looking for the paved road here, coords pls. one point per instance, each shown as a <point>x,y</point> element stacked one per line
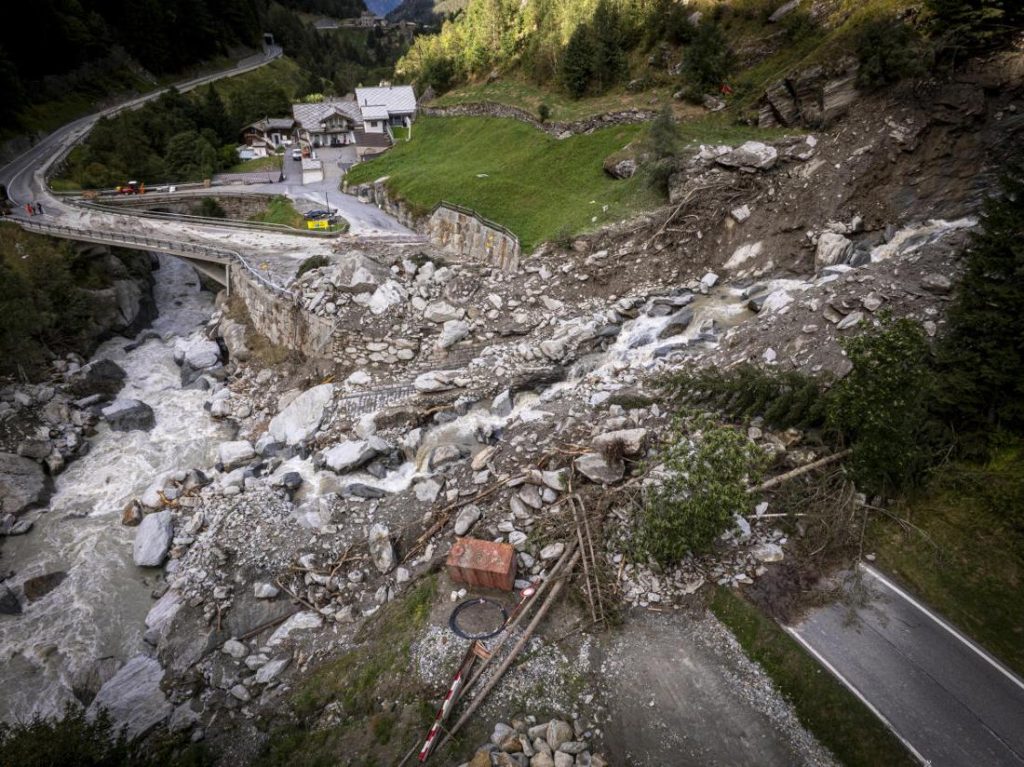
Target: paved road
<point>951,703</point>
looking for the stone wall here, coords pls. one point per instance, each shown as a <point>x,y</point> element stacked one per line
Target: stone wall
<point>462,233</point>
<point>279,317</point>
<point>559,130</point>
<point>237,206</point>
<point>459,231</point>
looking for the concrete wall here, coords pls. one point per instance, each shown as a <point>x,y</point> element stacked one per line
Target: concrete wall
<point>463,234</point>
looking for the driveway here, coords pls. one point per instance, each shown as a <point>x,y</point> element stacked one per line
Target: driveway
<point>950,702</point>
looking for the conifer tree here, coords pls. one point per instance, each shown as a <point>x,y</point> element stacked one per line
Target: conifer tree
<point>577,62</point>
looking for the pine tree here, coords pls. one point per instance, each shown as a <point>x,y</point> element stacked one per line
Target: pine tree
<point>577,62</point>
<point>708,60</point>
<point>609,63</point>
<point>970,25</point>
<point>982,356</point>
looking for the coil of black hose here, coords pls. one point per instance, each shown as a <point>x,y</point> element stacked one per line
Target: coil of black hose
<point>453,619</point>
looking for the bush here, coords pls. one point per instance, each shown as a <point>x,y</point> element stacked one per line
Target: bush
<point>69,740</point>
<point>708,60</point>
<point>888,51</point>
<point>543,112</point>
<point>706,485</point>
<point>210,208</point>
<point>967,26</point>
<point>311,263</point>
<point>883,406</point>
<point>799,26</point>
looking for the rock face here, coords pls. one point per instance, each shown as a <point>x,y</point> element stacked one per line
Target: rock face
<point>22,483</point>
<point>129,415</point>
<point>153,539</point>
<point>133,697</point>
<point>300,420</point>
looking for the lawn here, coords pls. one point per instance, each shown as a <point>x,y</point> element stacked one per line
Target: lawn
<point>281,211</point>
<point>507,171</point>
<point>824,706</point>
<point>966,558</point>
<point>527,96</point>
<point>255,165</point>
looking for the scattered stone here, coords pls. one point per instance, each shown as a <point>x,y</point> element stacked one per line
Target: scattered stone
<point>235,454</point>
<point>750,156</point>
<point>468,517</point>
<point>597,469</point>
<point>936,283</point>
<point>381,551</point>
<point>833,248</point>
<point>348,455</point>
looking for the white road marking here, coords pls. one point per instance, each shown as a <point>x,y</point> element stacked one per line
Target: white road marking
<point>941,622</point>
<point>849,685</point>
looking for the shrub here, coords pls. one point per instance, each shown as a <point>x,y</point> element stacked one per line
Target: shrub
<point>799,26</point>
<point>69,740</point>
<point>966,26</point>
<point>708,60</point>
<point>210,208</point>
<point>706,485</point>
<point>888,51</point>
<point>883,405</point>
<point>311,263</point>
<point>543,112</point>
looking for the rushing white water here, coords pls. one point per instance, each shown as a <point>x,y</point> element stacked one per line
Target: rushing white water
<point>98,611</point>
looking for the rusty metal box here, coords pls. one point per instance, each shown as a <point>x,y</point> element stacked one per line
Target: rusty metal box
<point>482,564</point>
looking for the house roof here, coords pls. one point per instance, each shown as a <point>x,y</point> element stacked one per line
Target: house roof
<point>273,123</point>
<point>397,99</point>
<point>375,113</point>
<point>311,115</point>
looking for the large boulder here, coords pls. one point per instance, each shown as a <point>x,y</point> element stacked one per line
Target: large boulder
<point>381,551</point>
<point>300,419</point>
<point>129,415</point>
<point>235,454</point>
<point>435,381</point>
<point>103,377</point>
<point>441,312</point>
<point>41,585</point>
<point>750,156</point>
<point>452,332</point>
<point>153,539</point>
<point>677,323</point>
<point>234,336</point>
<point>22,483</point>
<point>348,455</point>
<point>133,698</point>
<point>599,469</point>
<point>387,295</point>
<point>832,249</point>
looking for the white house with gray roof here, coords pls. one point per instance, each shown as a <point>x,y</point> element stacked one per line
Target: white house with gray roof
<point>364,120</point>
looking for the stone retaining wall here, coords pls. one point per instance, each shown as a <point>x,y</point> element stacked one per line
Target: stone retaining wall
<point>559,130</point>
<point>237,206</point>
<point>281,319</point>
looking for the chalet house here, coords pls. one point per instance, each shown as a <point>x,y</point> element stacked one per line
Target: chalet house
<point>264,137</point>
<point>365,121</point>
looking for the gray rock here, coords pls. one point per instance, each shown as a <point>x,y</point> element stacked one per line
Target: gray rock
<point>303,621</point>
<point>348,455</point>
<point>452,332</point>
<point>9,604</point>
<point>677,323</point>
<point>129,415</point>
<point>768,552</point>
<point>300,420</point>
<point>784,10</point>
<point>500,733</point>
<point>235,649</point>
<point>272,670</point>
<point>552,551</point>
<point>133,698</point>
<point>752,155</point>
<point>564,759</point>
<point>850,320</point>
<point>202,354</point>
<point>936,283</point>
<point>153,539</point>
<point>445,454</point>
<point>235,454</point>
<point>468,517</point>
<point>362,490</point>
<point>238,692</point>
<point>833,248</point>
<point>597,469</point>
<point>427,490</point>
<point>435,381</point>
<point>381,551</point>
<point>37,449</point>
<point>502,404</point>
<point>632,441</point>
<point>103,377</point>
<point>441,312</point>
<point>22,483</point>
<point>265,591</point>
<point>557,733</point>
<point>234,336</point>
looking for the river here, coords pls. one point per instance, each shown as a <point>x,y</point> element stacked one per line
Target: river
<point>98,610</point>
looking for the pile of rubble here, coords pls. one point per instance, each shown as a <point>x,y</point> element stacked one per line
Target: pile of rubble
<point>525,743</point>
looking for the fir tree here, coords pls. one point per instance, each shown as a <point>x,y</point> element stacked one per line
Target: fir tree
<point>708,60</point>
<point>609,63</point>
<point>577,62</point>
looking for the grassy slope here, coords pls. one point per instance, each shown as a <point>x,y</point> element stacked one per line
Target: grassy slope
<point>273,162</point>
<point>972,569</point>
<point>374,672</point>
<point>534,184</point>
<point>825,707</point>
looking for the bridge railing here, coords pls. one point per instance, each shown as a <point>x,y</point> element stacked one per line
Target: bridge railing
<point>160,245</point>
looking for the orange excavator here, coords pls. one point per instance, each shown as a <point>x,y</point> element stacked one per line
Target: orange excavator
<point>132,187</point>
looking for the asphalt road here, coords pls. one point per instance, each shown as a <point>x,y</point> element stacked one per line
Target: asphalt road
<point>948,700</point>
